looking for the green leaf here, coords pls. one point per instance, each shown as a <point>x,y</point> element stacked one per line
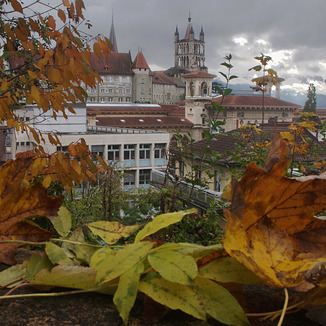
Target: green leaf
<point>174,266</point>
<point>75,277</point>
<point>224,75</point>
<point>111,232</point>
<point>62,222</point>
<point>126,294</point>
<point>256,68</point>
<point>35,264</point>
<point>57,255</point>
<point>162,221</point>
<point>233,77</point>
<point>12,274</point>
<point>228,269</point>
<point>220,304</point>
<point>227,91</point>
<point>173,295</point>
<point>82,252</point>
<point>110,263</point>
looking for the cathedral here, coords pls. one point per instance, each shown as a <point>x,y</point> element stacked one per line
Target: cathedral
<point>132,81</point>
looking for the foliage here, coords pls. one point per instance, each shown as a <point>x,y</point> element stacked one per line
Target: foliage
<point>311,103</point>
<point>46,62</point>
<point>262,81</point>
<point>128,207</point>
<point>271,237</point>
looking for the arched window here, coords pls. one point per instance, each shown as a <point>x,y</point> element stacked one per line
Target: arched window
<point>192,89</point>
<point>204,89</point>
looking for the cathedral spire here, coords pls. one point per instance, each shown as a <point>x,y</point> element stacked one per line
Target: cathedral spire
<point>189,28</point>
<point>112,37</point>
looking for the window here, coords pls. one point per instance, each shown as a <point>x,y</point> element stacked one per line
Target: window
<point>129,152</point>
<point>92,90</point>
<point>110,90</point>
<point>144,151</point>
<point>129,178</point>
<point>92,99</point>
<point>102,99</point>
<point>120,89</point>
<point>128,79</point>
<point>120,99</point>
<point>102,90</point>
<point>217,181</point>
<point>159,150</point>
<point>168,96</point>
<point>120,79</point>
<point>128,99</point>
<point>240,114</point>
<point>97,150</point>
<point>128,90</point>
<point>142,91</point>
<point>142,81</point>
<point>113,152</point>
<point>110,99</point>
<point>182,169</point>
<point>144,177</point>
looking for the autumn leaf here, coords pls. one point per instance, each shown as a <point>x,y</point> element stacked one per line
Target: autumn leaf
<point>18,204</point>
<point>271,226</point>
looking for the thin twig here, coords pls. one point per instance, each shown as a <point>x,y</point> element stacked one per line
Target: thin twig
<point>286,302</point>
<point>57,294</point>
<point>12,282</point>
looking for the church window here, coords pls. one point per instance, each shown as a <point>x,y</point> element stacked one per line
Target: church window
<point>204,89</point>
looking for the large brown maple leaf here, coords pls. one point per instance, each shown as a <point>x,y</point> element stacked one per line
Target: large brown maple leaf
<point>18,203</point>
<point>272,226</point>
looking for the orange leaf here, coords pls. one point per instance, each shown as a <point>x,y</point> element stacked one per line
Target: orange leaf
<point>66,3</point>
<point>16,6</point>
<point>51,22</point>
<point>62,15</point>
<point>271,226</point>
<point>17,204</point>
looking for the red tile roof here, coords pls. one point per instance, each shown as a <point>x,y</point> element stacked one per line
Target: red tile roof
<point>199,73</point>
<point>114,63</point>
<point>144,122</point>
<point>166,109</point>
<point>140,62</point>
<point>161,78</point>
<point>253,101</point>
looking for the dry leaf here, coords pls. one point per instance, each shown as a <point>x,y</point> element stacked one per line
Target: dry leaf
<point>271,228</point>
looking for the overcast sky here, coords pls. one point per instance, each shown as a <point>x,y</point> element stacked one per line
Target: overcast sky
<point>292,32</point>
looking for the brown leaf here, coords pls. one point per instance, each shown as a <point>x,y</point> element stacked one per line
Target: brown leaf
<point>271,227</point>
<point>17,204</point>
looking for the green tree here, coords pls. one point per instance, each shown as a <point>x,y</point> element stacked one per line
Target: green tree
<point>311,103</point>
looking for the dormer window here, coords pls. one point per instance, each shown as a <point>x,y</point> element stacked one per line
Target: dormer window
<point>106,68</point>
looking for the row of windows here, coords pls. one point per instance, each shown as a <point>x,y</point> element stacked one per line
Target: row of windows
<point>110,90</point>
<point>110,99</point>
<point>119,79</point>
<point>129,178</point>
<point>129,151</point>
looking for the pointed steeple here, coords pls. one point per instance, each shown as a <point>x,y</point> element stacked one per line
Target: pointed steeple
<point>189,28</point>
<point>112,37</point>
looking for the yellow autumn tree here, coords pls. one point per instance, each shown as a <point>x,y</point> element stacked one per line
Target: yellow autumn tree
<point>45,62</point>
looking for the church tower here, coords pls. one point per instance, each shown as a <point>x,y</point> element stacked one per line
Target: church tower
<point>113,38</point>
<point>189,52</point>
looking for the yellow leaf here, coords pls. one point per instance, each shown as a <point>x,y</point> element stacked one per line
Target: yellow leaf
<point>12,274</point>
<point>162,221</point>
<point>220,304</point>
<point>66,3</point>
<point>46,181</point>
<point>75,277</point>
<point>97,49</point>
<point>174,266</point>
<point>57,255</point>
<point>32,74</point>
<point>36,94</point>
<point>125,296</point>
<point>110,264</point>
<point>62,222</point>
<point>228,269</point>
<point>111,232</point>
<point>173,295</point>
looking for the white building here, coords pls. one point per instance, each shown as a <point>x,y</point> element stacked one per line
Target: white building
<point>134,151</point>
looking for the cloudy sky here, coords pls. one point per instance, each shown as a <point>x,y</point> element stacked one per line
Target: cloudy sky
<point>292,32</point>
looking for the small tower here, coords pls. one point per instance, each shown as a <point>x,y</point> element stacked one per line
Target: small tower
<point>113,38</point>
<point>198,93</point>
<point>189,52</point>
<point>142,80</point>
